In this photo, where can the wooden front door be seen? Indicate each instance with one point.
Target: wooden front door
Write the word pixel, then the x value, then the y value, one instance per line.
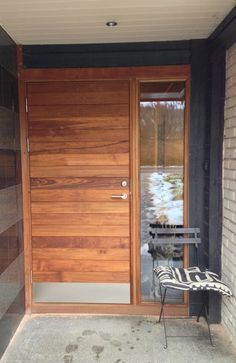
pixel 79 175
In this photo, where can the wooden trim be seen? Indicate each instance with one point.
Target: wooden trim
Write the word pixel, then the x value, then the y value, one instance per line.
pixel 74 74
pixel 106 309
pixel 25 183
pixel 186 150
pixel 184 77
pixel 136 138
pixel 135 75
pixel 135 208
pixel 186 173
pixel 19 58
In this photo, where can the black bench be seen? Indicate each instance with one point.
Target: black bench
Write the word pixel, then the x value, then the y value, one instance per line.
pixel 184 279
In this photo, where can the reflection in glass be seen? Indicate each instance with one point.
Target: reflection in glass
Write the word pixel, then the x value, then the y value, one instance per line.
pixel 161 174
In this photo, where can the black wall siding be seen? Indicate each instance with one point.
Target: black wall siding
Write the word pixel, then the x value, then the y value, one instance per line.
pixel 106 55
pixel 217 99
pixel 11 224
pixel 198 167
pixel 198 157
pixel 220 40
pixel 8 58
pixel 224 35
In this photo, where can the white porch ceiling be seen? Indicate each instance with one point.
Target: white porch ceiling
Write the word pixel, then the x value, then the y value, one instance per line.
pixel 83 21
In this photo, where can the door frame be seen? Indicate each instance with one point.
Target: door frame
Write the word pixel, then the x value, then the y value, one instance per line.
pixel 136 135
pixel 134 75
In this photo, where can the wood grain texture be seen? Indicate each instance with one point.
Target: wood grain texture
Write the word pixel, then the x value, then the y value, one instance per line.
pixel 70 93
pixel 81 171
pixel 83 116
pixel 62 265
pixel 180 72
pixel 83 254
pixel 113 277
pixel 93 219
pixel 78 207
pixel 79 155
pixel 80 114
pixel 81 123
pixel 81 183
pixel 79 159
pixel 135 197
pixel 78 230
pixel 80 242
pixel 76 195
pixel 77 135
pixel 83 147
pixel 186 174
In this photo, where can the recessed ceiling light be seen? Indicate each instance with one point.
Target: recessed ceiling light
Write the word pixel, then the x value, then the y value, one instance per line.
pixel 111 23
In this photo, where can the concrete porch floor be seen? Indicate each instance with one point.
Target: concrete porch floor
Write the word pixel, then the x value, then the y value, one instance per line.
pixel 90 339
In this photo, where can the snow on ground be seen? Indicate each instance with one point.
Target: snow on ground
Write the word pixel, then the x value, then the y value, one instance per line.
pixel 166 196
pixel 161 199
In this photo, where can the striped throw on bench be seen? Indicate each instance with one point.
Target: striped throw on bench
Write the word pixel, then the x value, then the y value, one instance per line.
pixel 191 278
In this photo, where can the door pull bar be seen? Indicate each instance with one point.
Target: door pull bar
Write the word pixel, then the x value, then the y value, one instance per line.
pixel 120 196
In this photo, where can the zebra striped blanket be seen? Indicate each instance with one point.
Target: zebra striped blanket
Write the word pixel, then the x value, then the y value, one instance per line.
pixel 191 278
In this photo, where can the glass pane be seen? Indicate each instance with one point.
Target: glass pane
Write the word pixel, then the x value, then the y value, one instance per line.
pixel 161 176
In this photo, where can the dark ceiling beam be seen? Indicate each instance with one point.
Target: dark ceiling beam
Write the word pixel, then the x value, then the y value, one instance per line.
pixel 225 34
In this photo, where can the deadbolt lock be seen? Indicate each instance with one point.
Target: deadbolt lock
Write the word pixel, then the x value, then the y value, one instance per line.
pixel 124 183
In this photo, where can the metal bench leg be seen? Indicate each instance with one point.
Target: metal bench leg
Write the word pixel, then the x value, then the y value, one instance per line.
pixel 162 314
pixel 163 296
pixel 153 279
pixel 200 312
pixel 204 312
pixel 208 324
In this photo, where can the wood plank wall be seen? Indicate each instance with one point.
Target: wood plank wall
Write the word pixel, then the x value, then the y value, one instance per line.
pixel 79 154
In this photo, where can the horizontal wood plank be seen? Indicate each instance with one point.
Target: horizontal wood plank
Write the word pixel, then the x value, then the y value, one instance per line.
pixel 79 230
pixel 79 159
pixel 80 114
pixel 93 219
pixel 78 207
pixel 54 265
pixel 80 242
pixel 83 254
pixel 77 135
pixel 180 72
pixel 83 147
pixel 79 155
pixel 81 183
pixel 76 125
pixel 76 195
pixel 113 277
pixel 90 93
pixel 81 171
